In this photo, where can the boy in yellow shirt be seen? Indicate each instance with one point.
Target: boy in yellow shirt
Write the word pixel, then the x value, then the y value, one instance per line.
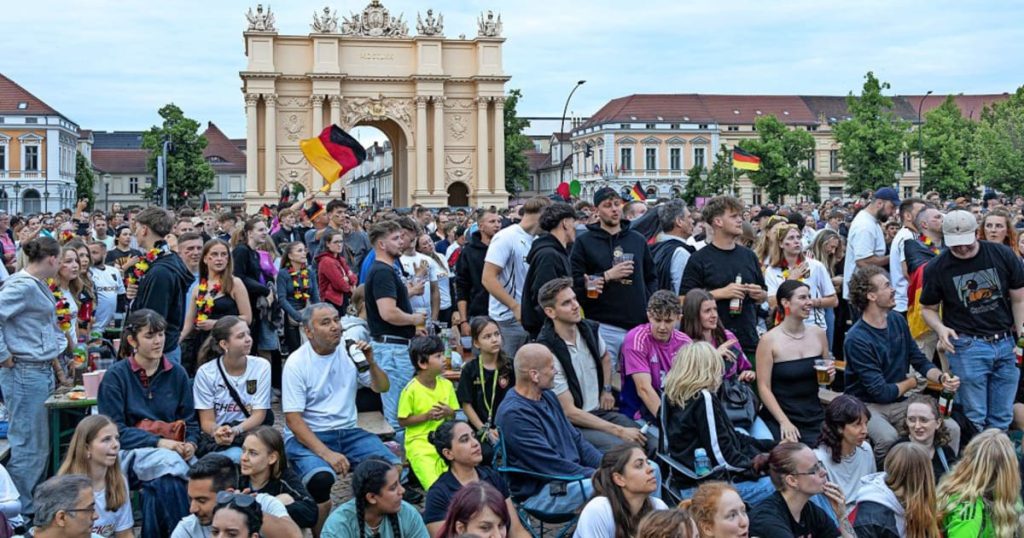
pixel 426 402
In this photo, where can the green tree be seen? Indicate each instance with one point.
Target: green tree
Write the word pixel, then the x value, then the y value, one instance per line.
pixel 517 169
pixel 872 141
pixel 188 173
pixel 84 178
pixel 783 152
pixel 997 155
pixel 704 182
pixel 945 145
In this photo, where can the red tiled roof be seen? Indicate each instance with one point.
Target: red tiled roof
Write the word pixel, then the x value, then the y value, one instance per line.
pixel 219 145
pixel 537 160
pixel 970 105
pixel 684 107
pixel 745 109
pixel 11 94
pixel 120 161
pixel 84 134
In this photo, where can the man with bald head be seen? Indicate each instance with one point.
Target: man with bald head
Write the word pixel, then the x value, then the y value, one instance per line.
pixel 539 438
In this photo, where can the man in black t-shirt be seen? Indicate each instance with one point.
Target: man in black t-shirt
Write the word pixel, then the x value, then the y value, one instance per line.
pixel 980 287
pixel 389 315
pixel 716 267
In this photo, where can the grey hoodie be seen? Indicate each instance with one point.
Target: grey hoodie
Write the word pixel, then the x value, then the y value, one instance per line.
pixel 354 328
pixel 28 320
pixel 873 489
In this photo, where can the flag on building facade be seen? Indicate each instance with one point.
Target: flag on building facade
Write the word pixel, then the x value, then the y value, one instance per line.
pixel 333 153
pixel 744 160
pixel 637 193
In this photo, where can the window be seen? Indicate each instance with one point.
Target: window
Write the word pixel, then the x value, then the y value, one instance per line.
pixel 22 105
pixel 835 192
pixel 649 126
pixel 833 160
pixel 675 158
pixel 31 158
pixel 133 185
pixel 600 156
pixel 3 157
pixel 908 162
pixel 623 126
pixel 812 127
pixel 31 120
pixel 733 128
pixel 812 163
pixel 698 157
pixel 756 195
pixel 908 192
pixel 650 159
pixel 702 126
pixel 625 158
pixel 674 126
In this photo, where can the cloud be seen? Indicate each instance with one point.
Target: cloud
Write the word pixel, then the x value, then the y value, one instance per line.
pixel 111 64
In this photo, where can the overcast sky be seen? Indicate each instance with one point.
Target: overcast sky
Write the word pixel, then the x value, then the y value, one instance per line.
pixel 109 65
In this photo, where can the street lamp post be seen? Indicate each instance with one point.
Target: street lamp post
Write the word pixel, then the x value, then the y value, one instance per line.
pixel 17 190
pixel 561 157
pixel 920 140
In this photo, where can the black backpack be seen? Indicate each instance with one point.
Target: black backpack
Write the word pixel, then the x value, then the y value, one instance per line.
pixel 662 253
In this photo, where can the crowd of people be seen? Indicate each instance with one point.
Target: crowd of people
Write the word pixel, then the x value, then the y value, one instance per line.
pixel 835 369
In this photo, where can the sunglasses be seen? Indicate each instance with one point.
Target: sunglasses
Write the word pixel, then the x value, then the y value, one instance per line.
pixel 817 469
pixel 240 500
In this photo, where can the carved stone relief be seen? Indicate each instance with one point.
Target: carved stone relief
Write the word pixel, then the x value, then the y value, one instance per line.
pixel 293 167
pixel 376 109
pixel 458 167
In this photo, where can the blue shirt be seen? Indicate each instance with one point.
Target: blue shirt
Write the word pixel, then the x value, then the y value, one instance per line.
pixel 878 359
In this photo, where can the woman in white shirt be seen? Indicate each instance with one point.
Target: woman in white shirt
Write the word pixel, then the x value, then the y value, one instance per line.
pixel 843 447
pixel 425 246
pixel 94 452
pixel 232 388
pixel 623 489
pixel 786 261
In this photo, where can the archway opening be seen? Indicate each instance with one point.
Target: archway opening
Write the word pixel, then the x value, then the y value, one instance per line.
pixel 458 195
pixel 30 202
pixel 381 180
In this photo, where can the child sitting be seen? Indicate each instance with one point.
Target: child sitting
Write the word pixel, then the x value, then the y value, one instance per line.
pixel 426 402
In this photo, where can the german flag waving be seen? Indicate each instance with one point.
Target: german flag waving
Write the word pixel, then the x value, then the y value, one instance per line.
pixel 744 160
pixel 637 193
pixel 333 153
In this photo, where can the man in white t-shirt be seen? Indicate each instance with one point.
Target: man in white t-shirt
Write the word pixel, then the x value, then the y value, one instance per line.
pixel 210 393
pixel 865 241
pixel 897 255
pixel 108 282
pixel 214 474
pixel 318 397
pixel 416 264
pixel 504 274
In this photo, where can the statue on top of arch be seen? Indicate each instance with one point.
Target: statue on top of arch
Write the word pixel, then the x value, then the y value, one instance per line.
pixel 374 21
pixel 260 21
pixel 326 23
pixel 431 26
pixel 488 26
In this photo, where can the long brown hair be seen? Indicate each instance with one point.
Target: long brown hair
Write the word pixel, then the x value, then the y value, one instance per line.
pixel 77 460
pixel 692 303
pixel 274 442
pixel 227 279
pixel 1011 234
pixel 908 473
pixel 210 348
pixel 614 462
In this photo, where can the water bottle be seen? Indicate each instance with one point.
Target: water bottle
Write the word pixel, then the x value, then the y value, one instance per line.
pixel 701 463
pixel 357 355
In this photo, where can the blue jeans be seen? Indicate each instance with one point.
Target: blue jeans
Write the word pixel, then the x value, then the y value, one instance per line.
pixel 830 326
pixel 355 444
pixel 394 360
pixel 513 336
pixel 988 380
pixel 752 493
pixel 26 386
pixel 758 430
pixel 577 493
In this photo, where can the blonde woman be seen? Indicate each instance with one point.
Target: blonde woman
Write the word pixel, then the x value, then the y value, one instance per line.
pixel 828 248
pixel 93 452
pixel 899 501
pixel 695 419
pixel 981 495
pixel 786 261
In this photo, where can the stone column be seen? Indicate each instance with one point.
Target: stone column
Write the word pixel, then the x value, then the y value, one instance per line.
pixel 270 144
pixel 421 145
pixel 482 183
pixel 317 104
pixel 339 186
pixel 499 145
pixel 252 142
pixel 439 146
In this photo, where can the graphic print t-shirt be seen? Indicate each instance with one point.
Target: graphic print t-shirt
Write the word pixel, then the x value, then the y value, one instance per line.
pixel 975 293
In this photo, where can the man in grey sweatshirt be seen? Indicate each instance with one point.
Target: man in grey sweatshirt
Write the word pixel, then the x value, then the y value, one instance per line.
pixel 30 340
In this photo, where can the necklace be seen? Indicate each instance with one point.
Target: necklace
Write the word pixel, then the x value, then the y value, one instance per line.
pixel 139 269
pixel 62 307
pixel 785 268
pixel 300 283
pixel 794 337
pixel 929 243
pixel 205 299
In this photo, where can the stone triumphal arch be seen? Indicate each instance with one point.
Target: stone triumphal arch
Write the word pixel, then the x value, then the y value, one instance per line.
pixel 440 100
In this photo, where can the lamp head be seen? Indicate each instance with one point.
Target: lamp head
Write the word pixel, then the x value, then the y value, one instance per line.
pixel 580 83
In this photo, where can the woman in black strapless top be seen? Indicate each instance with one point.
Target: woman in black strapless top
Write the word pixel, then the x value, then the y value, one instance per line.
pixel 217 294
pixel 786 378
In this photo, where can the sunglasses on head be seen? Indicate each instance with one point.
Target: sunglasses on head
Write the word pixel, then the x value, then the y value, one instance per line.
pixel 240 500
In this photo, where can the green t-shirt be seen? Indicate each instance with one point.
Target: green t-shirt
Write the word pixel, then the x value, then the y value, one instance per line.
pixel 342 523
pixel 968 521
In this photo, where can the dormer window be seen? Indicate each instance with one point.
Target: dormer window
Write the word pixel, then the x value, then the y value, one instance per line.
pixel 22 105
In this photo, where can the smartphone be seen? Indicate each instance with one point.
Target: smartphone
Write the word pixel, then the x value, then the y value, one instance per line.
pixel 82 229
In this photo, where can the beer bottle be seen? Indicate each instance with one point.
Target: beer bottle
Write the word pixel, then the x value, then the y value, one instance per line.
pixel 946 402
pixel 736 305
pixel 1018 351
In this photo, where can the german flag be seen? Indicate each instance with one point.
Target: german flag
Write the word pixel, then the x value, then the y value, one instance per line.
pixel 637 193
pixel 333 153
pixel 745 161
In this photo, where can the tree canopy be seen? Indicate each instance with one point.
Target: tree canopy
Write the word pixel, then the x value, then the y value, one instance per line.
pixel 517 169
pixel 872 141
pixel 945 146
pixel 783 152
pixel 997 152
pixel 188 173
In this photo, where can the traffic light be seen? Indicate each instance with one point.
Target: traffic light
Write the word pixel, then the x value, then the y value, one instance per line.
pixel 589 151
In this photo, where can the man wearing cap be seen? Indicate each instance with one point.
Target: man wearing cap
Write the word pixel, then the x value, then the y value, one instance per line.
pixel 604 252
pixel 980 287
pixel 865 241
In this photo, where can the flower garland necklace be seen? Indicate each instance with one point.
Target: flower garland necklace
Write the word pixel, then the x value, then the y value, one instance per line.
pixel 204 300
pixel 929 243
pixel 139 269
pixel 785 268
pixel 300 282
pixel 63 308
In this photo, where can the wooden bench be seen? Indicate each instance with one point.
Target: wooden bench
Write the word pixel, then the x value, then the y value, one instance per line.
pixel 375 423
pixel 827 395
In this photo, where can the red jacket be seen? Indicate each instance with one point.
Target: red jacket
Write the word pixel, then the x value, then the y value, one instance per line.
pixel 335 280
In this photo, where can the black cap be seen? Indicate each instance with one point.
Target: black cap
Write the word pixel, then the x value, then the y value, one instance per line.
pixel 604 193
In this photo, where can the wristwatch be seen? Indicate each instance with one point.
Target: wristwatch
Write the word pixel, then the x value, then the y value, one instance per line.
pixel 607 388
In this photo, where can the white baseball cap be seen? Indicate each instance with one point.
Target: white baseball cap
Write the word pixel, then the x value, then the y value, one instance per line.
pixel 959 228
